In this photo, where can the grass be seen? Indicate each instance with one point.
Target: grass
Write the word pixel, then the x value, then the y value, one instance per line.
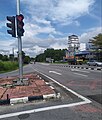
pixel 7 66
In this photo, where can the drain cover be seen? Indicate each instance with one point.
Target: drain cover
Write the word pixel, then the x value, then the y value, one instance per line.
pixel 23 116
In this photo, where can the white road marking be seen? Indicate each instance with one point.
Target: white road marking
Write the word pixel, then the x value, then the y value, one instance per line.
pixel 80 70
pixel 41 109
pixel 45 63
pixel 55 72
pixel 85 101
pixel 81 74
pixel 80 96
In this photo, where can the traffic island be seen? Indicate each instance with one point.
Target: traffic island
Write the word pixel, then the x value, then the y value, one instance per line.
pixel 37 89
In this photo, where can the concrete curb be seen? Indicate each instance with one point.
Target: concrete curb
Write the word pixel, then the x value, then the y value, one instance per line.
pixel 81 67
pixel 18 100
pixel 12 101
pixel 29 98
pixel 5 102
pixel 49 96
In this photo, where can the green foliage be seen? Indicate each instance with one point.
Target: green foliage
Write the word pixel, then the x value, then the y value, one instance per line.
pixel 40 58
pixel 5 58
pixel 97 40
pixel 26 60
pixel 57 55
pixel 1 56
pixel 11 57
pixel 1 66
pixel 8 66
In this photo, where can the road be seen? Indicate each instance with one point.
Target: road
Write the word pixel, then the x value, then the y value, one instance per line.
pixel 81 81
pixel 85 82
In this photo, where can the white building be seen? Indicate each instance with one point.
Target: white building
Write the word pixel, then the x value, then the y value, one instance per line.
pixel 73 45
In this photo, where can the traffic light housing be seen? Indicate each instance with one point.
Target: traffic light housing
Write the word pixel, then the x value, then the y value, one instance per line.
pixel 11 25
pixel 20 24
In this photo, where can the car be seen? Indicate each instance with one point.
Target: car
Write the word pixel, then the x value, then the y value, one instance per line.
pixel 94 63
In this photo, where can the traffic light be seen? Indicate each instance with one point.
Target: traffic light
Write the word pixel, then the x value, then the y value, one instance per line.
pixel 11 25
pixel 20 25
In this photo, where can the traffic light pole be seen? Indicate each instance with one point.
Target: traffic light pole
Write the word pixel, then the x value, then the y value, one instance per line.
pixel 20 48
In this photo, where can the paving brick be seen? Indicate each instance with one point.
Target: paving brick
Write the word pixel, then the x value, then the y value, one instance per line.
pixel 36 87
pixel 31 75
pixel 46 90
pixel 9 92
pixel 40 82
pixel 32 84
pixel 2 91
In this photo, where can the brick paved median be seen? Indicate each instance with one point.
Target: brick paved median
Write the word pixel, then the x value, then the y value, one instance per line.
pixel 36 87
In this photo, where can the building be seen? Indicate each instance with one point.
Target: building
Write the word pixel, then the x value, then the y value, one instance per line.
pixel 73 45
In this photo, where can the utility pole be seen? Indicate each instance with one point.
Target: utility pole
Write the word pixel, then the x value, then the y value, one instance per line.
pixel 20 48
pixel 74 54
pixel 13 54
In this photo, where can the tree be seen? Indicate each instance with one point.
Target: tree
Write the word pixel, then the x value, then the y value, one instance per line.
pixel 40 58
pixel 97 41
pixel 1 66
pixel 23 54
pixel 11 57
pixel 57 55
pixel 26 60
pixel 1 56
pixel 5 58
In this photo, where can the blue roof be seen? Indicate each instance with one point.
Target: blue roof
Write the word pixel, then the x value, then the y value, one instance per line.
pixel 82 53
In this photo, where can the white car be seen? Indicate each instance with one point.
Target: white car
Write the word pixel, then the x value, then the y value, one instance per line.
pixel 94 63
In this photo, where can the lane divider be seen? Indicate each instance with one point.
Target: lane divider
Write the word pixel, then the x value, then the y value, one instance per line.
pixel 98 68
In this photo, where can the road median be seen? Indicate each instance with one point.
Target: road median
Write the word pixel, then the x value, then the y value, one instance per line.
pixel 36 90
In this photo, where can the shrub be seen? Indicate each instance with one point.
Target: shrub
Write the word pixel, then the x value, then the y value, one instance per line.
pixel 1 66
pixel 8 66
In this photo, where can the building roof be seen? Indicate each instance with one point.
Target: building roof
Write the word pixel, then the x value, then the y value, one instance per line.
pixel 83 53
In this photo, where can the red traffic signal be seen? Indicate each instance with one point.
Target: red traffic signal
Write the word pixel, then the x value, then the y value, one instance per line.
pixel 20 25
pixel 20 17
pixel 11 25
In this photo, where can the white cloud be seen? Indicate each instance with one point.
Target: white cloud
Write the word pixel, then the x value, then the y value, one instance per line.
pixel 35 50
pixel 6 44
pixel 2 24
pixel 47 12
pixel 92 32
pixel 34 29
pixel 82 47
pixel 33 45
pixel 43 16
pixel 63 11
pixel 6 47
pixel 77 23
pixel 58 46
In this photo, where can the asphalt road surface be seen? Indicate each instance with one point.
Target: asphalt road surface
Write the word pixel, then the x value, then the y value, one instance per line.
pixel 85 84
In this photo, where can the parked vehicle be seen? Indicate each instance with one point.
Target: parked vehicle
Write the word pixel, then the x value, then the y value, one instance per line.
pixel 75 61
pixel 94 63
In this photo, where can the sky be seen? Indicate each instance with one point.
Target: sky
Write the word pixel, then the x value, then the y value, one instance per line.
pixel 48 23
